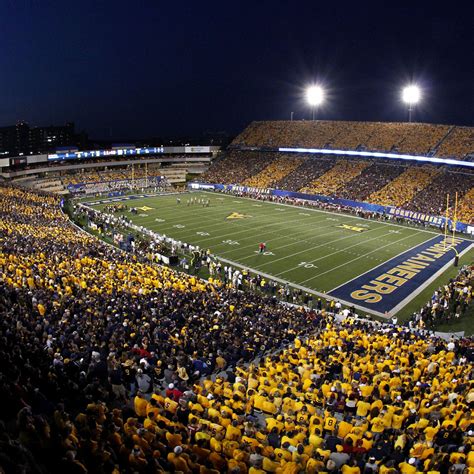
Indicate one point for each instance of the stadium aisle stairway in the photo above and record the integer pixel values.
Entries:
(458, 143)
(421, 138)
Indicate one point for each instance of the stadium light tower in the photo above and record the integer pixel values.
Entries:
(314, 97)
(411, 96)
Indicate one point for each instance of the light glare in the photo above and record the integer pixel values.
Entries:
(411, 94)
(315, 95)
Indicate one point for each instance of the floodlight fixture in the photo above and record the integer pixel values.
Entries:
(411, 95)
(314, 97)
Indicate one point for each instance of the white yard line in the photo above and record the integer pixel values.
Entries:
(247, 228)
(307, 208)
(219, 222)
(338, 251)
(324, 244)
(300, 287)
(354, 259)
(295, 241)
(383, 263)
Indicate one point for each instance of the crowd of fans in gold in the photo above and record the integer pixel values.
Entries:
(420, 188)
(407, 138)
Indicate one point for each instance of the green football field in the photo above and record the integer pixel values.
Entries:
(311, 249)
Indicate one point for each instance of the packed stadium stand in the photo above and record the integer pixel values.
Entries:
(466, 207)
(253, 159)
(110, 175)
(433, 197)
(341, 173)
(277, 170)
(111, 363)
(308, 171)
(459, 142)
(86, 328)
(233, 170)
(408, 138)
(372, 178)
(405, 186)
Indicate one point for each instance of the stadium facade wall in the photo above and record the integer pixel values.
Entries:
(99, 186)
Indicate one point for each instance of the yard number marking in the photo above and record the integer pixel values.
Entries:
(230, 242)
(307, 265)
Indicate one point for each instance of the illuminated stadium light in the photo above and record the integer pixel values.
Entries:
(377, 154)
(314, 97)
(411, 95)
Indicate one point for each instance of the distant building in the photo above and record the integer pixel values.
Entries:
(21, 139)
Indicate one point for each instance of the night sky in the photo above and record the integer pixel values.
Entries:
(153, 68)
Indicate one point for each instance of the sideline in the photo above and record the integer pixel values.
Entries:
(309, 208)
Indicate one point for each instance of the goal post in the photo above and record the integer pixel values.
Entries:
(448, 246)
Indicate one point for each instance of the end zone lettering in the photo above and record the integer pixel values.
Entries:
(388, 281)
(386, 285)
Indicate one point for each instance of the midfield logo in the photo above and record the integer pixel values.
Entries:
(351, 227)
(237, 215)
(145, 208)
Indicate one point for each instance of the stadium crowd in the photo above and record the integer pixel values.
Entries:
(106, 363)
(410, 138)
(334, 179)
(466, 207)
(432, 199)
(449, 302)
(405, 187)
(417, 188)
(308, 171)
(459, 143)
(236, 167)
(371, 179)
(277, 170)
(84, 308)
(111, 175)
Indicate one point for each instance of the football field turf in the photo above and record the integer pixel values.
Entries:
(377, 266)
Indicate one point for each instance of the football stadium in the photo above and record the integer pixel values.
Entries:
(253, 250)
(294, 303)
